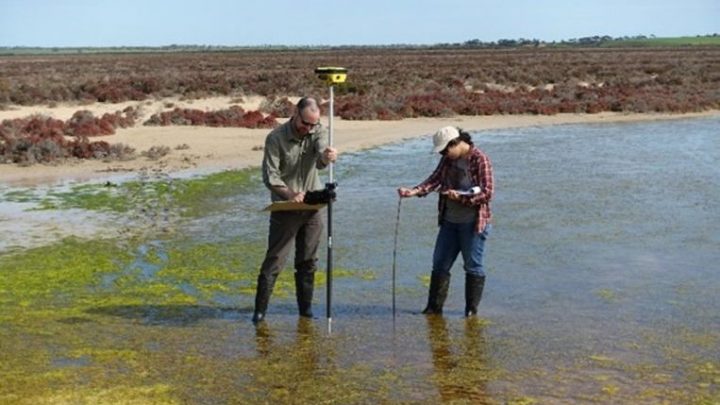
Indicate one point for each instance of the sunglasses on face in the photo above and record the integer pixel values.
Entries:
(308, 124)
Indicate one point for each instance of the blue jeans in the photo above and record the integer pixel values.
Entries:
(455, 238)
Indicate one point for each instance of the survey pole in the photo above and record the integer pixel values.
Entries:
(332, 76)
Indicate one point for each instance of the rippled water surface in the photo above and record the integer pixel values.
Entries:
(602, 287)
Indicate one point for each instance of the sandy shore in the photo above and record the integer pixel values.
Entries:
(213, 149)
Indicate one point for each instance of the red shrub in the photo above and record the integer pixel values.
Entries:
(234, 116)
(83, 123)
(279, 107)
(42, 139)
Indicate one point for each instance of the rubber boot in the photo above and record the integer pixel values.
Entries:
(439, 285)
(474, 285)
(262, 297)
(304, 285)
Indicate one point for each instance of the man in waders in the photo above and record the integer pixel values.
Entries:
(294, 153)
(464, 180)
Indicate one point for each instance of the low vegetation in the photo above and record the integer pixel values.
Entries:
(234, 116)
(388, 83)
(41, 139)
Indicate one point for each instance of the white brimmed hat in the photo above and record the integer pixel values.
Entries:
(443, 136)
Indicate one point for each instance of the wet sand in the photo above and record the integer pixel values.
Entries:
(208, 149)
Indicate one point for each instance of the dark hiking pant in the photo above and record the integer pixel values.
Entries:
(304, 228)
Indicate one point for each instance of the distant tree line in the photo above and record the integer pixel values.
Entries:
(592, 41)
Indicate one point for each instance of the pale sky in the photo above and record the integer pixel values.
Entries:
(72, 23)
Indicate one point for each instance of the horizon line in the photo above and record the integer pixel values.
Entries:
(399, 44)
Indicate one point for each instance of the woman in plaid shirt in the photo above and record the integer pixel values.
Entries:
(464, 180)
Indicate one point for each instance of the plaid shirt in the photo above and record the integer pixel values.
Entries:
(481, 175)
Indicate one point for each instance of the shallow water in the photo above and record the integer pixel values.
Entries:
(602, 287)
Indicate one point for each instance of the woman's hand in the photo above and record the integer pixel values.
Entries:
(404, 192)
(452, 194)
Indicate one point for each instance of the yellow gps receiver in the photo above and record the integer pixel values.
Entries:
(332, 75)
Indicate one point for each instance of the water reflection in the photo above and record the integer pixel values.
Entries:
(301, 357)
(263, 339)
(460, 367)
